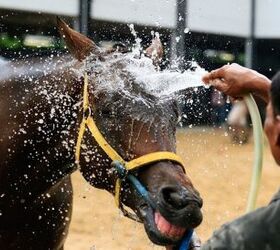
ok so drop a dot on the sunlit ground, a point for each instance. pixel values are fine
(220, 170)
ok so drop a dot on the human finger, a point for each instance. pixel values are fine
(217, 83)
(216, 73)
(206, 78)
(195, 243)
(220, 85)
(236, 98)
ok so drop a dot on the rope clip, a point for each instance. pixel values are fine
(87, 113)
(120, 168)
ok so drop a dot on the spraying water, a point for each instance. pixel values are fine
(142, 72)
(167, 82)
(161, 83)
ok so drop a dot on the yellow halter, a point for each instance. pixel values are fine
(111, 153)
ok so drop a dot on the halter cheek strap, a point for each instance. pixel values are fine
(88, 122)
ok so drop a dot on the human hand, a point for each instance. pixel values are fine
(236, 81)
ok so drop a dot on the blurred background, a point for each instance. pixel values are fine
(214, 31)
(211, 33)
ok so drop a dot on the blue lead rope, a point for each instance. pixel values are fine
(185, 242)
(142, 191)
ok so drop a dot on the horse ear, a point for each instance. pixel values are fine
(79, 45)
(155, 50)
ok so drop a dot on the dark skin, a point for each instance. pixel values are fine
(40, 117)
(237, 81)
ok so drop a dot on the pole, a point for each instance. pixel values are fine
(180, 31)
(250, 41)
(84, 16)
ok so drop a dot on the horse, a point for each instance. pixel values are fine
(41, 113)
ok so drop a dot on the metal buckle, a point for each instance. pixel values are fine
(121, 170)
(87, 112)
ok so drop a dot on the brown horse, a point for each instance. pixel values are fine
(40, 112)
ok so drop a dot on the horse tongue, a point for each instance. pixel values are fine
(167, 228)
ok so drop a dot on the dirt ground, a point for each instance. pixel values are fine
(220, 171)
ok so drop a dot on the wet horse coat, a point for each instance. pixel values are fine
(40, 115)
(35, 187)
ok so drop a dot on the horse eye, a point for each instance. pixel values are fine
(108, 113)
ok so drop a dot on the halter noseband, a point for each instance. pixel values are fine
(112, 154)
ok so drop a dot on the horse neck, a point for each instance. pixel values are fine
(58, 103)
(41, 138)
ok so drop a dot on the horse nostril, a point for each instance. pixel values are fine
(173, 197)
(179, 197)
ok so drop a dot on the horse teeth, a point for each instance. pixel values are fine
(156, 217)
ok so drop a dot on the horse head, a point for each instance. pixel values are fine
(134, 122)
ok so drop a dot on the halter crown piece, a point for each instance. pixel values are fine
(112, 154)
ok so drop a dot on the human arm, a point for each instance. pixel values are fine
(257, 230)
(237, 81)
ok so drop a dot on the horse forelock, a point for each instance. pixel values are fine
(117, 81)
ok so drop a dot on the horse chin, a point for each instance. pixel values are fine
(158, 229)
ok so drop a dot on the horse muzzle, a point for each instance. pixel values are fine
(180, 205)
(177, 211)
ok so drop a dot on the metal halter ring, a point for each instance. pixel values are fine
(87, 112)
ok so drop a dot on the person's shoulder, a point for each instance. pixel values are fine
(276, 197)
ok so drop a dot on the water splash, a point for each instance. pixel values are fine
(166, 82)
(137, 48)
(161, 83)
(169, 82)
